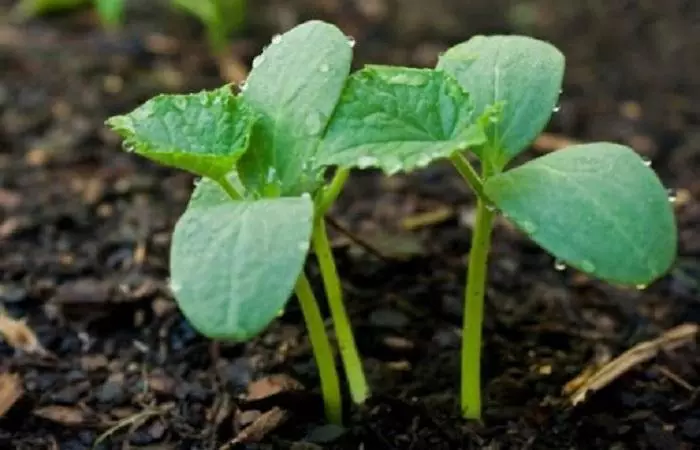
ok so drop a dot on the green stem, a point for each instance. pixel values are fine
(228, 188)
(331, 192)
(359, 391)
(330, 383)
(474, 311)
(465, 169)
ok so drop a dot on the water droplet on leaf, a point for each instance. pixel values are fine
(276, 39)
(641, 287)
(306, 195)
(351, 41)
(324, 68)
(528, 227)
(491, 207)
(258, 60)
(424, 160)
(556, 109)
(304, 246)
(314, 123)
(587, 266)
(175, 287)
(672, 195)
(559, 265)
(647, 161)
(366, 161)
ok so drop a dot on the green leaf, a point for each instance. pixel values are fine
(25, 9)
(295, 84)
(522, 73)
(234, 264)
(204, 133)
(111, 11)
(597, 207)
(398, 119)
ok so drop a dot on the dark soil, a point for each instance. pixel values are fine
(85, 229)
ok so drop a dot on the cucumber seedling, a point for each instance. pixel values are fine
(596, 207)
(238, 251)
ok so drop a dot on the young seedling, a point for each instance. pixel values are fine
(238, 250)
(597, 207)
(220, 17)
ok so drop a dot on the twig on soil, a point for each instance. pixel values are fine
(640, 353)
(134, 421)
(19, 336)
(665, 371)
(357, 240)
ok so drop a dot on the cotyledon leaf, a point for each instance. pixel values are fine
(398, 119)
(597, 207)
(522, 74)
(234, 264)
(204, 133)
(295, 85)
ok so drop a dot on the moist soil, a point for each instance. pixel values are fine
(85, 230)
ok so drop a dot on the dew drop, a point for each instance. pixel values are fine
(280, 313)
(243, 86)
(491, 207)
(556, 109)
(197, 181)
(528, 227)
(587, 266)
(324, 68)
(175, 287)
(258, 60)
(314, 123)
(304, 246)
(271, 174)
(276, 39)
(646, 161)
(306, 195)
(366, 161)
(351, 41)
(641, 287)
(424, 160)
(559, 265)
(672, 195)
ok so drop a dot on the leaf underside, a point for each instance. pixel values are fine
(597, 207)
(234, 264)
(521, 73)
(204, 133)
(295, 84)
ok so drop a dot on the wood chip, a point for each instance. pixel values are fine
(19, 336)
(11, 390)
(261, 427)
(640, 353)
(271, 385)
(69, 416)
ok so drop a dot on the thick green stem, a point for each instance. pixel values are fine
(474, 311)
(467, 172)
(228, 188)
(330, 383)
(331, 192)
(359, 391)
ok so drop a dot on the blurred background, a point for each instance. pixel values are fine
(85, 228)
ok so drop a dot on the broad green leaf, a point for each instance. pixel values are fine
(597, 207)
(204, 133)
(522, 73)
(295, 84)
(234, 264)
(111, 11)
(398, 119)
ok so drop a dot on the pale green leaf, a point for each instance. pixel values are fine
(295, 84)
(204, 133)
(234, 264)
(522, 74)
(399, 119)
(597, 207)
